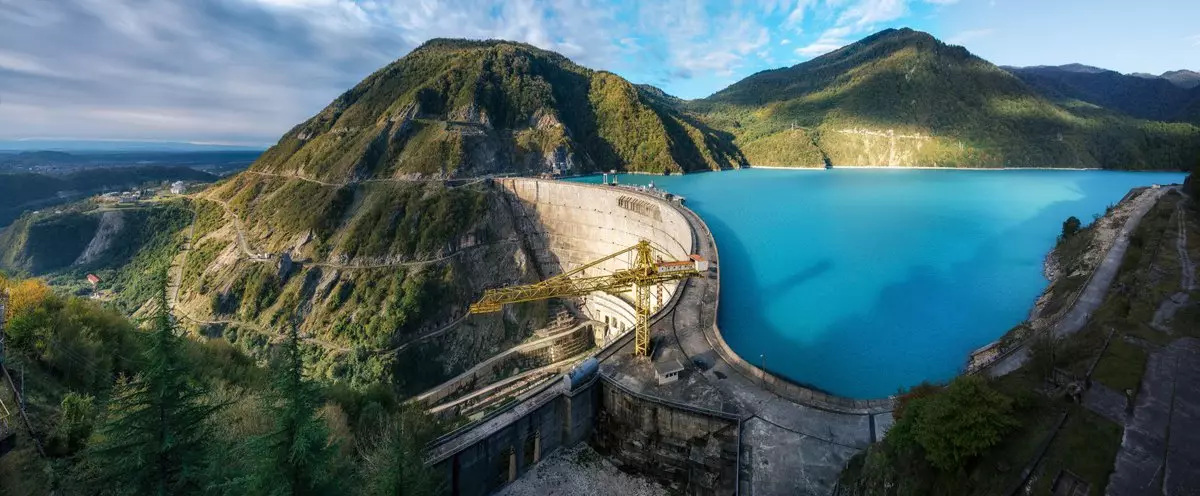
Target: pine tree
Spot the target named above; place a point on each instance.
(395, 465)
(152, 439)
(296, 458)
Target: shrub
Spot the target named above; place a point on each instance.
(955, 425)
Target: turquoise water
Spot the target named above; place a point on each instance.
(859, 282)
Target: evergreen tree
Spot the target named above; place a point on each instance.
(296, 457)
(395, 465)
(153, 436)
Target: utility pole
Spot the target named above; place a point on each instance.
(763, 374)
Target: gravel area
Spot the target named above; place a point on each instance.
(580, 470)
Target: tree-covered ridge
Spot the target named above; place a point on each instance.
(1156, 98)
(116, 410)
(901, 97)
(455, 108)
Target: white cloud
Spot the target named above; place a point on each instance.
(1194, 39)
(830, 40)
(867, 13)
(941, 2)
(964, 37)
(154, 68)
(818, 48)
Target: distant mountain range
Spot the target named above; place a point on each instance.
(900, 97)
(1171, 97)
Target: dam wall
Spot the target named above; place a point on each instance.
(693, 450)
(567, 225)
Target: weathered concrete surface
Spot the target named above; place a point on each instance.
(1106, 402)
(1095, 291)
(1187, 277)
(1160, 451)
(778, 451)
(692, 450)
(568, 225)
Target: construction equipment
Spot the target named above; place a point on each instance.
(641, 277)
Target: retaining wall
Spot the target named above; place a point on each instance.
(484, 464)
(692, 450)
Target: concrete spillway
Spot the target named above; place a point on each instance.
(567, 225)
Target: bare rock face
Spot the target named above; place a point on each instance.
(111, 225)
(471, 114)
(284, 266)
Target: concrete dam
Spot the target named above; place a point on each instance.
(693, 416)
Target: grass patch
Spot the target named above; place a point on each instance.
(1087, 446)
(1122, 366)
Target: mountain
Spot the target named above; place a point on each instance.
(1152, 98)
(1183, 78)
(372, 246)
(902, 97)
(456, 108)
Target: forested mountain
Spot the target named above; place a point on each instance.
(1183, 78)
(455, 108)
(901, 97)
(1151, 98)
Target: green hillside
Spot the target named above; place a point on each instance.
(456, 108)
(901, 97)
(1144, 98)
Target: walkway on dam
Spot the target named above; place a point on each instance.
(787, 448)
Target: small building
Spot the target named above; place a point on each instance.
(700, 262)
(178, 188)
(667, 370)
(93, 278)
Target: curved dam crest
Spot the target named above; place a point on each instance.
(859, 283)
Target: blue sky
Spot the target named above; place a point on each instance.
(245, 71)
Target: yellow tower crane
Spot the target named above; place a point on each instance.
(645, 273)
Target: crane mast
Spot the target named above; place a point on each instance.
(644, 274)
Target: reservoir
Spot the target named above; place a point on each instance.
(862, 282)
